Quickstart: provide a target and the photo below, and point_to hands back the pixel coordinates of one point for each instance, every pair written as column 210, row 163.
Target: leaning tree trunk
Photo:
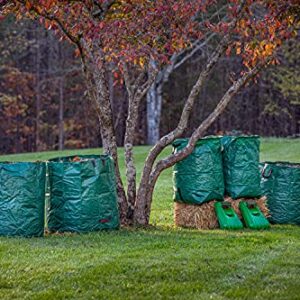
column 198, row 133
column 141, row 215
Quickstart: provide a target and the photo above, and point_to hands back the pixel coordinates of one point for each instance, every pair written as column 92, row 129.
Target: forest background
column 44, row 104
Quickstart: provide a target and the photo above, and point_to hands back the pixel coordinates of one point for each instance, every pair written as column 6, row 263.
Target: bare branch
column 128, row 81
column 152, row 73
column 196, row 47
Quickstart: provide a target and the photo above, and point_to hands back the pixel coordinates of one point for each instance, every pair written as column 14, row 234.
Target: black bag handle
column 263, row 172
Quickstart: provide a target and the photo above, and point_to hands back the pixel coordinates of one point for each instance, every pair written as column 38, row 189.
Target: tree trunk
column 154, row 104
column 61, row 131
column 108, row 134
column 198, row 133
column 38, row 97
column 94, row 68
column 131, row 123
column 140, row 216
column 130, row 166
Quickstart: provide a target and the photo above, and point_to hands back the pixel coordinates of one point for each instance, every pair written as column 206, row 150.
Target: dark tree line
column 42, row 96
column 267, row 107
column 44, row 104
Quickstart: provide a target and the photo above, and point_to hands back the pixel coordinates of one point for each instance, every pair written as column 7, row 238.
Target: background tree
column 33, row 61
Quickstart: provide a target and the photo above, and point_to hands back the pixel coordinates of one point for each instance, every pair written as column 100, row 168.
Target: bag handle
column 263, row 172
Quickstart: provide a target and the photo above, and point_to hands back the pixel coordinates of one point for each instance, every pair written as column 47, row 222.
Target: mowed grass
column 162, row 262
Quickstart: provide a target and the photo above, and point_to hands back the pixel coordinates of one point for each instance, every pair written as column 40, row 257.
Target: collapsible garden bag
column 280, row 182
column 83, row 194
column 241, row 166
column 199, row 177
column 22, row 199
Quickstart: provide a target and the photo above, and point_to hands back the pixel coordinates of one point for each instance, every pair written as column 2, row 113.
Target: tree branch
column 136, row 93
column 198, row 133
column 144, row 191
column 197, row 47
column 231, row 92
column 183, row 122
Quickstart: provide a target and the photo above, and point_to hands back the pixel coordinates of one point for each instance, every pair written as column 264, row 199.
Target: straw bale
column 204, row 217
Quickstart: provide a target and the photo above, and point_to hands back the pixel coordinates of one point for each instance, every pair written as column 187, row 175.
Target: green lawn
column 162, row 262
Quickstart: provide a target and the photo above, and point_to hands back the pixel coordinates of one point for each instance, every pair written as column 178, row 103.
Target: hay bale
column 195, row 216
column 204, row 216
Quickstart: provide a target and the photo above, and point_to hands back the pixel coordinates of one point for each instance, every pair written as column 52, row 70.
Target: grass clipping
column 204, row 216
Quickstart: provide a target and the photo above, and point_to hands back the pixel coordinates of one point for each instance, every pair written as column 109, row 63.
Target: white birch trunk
column 154, row 104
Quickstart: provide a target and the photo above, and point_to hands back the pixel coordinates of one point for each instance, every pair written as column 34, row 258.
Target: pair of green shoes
column 252, row 215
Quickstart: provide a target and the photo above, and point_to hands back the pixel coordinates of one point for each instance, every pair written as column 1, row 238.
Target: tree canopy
column 136, row 31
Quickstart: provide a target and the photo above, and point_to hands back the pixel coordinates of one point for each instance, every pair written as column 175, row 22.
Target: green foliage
column 162, row 262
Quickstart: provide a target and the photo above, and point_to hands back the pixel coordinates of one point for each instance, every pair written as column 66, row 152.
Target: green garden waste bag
column 22, row 199
column 280, row 182
column 241, row 166
column 199, row 177
column 83, row 194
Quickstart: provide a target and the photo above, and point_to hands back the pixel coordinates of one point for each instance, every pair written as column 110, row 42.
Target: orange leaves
column 135, row 31
column 142, row 62
column 268, row 49
column 49, row 3
column 238, row 48
column 263, row 28
column 28, row 5
column 39, row 6
column 253, row 52
column 131, row 31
